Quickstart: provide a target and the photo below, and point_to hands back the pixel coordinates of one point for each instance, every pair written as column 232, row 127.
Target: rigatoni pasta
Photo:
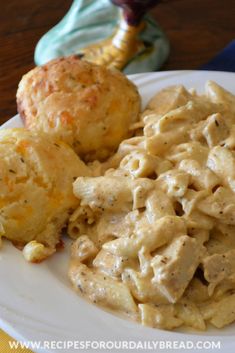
column 155, row 232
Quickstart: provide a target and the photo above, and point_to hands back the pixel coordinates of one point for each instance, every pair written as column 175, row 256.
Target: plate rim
column 9, row 325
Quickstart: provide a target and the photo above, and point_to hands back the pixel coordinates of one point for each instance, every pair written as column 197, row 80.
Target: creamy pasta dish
column 155, row 225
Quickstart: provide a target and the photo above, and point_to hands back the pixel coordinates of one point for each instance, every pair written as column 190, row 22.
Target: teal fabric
column 89, row 21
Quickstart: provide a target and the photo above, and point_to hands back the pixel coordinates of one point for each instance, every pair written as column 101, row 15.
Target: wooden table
column 197, row 30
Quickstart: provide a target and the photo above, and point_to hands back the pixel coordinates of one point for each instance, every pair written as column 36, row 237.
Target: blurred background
column 197, row 30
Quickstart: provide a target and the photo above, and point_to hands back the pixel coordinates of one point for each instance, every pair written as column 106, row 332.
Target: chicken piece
column 108, row 263
column 174, row 183
column 142, row 288
column 215, row 130
column 174, row 267
column 167, row 99
column 83, row 249
column 201, row 177
column 222, row 162
column 220, row 204
column 218, row 267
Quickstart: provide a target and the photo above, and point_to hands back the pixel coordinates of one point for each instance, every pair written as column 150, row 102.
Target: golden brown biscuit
column 86, row 105
column 36, row 177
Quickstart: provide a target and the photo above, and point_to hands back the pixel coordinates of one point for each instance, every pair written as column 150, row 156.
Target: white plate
column 37, row 302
